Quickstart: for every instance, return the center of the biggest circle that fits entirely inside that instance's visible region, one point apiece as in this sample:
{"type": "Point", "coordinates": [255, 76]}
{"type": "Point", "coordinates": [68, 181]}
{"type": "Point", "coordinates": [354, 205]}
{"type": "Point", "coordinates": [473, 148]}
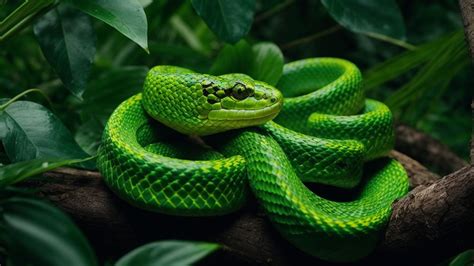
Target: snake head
{"type": "Point", "coordinates": [236, 101]}
{"type": "Point", "coordinates": [199, 104]}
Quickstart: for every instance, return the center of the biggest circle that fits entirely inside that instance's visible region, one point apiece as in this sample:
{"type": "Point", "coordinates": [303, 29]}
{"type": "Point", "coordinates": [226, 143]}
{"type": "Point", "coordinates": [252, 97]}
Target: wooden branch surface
{"type": "Point", "coordinates": [114, 227]}
{"type": "Point", "coordinates": [467, 13]}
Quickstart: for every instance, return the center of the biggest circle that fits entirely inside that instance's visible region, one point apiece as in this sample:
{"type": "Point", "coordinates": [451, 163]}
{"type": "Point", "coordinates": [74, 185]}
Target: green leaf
{"type": "Point", "coordinates": [188, 35]}
{"type": "Point", "coordinates": [37, 233]}
{"type": "Point", "coordinates": [17, 172]}
{"type": "Point", "coordinates": [34, 132]}
{"type": "Point", "coordinates": [229, 20]}
{"type": "Point", "coordinates": [267, 63]}
{"type": "Point", "coordinates": [263, 61]}
{"type": "Point", "coordinates": [3, 127]}
{"type": "Point", "coordinates": [233, 59]}
{"type": "Point", "coordinates": [145, 3]}
{"type": "Point", "coordinates": [463, 259]}
{"type": "Point", "coordinates": [171, 252]}
{"type": "Point", "coordinates": [402, 63]}
{"type": "Point", "coordinates": [435, 75]}
{"type": "Point", "coordinates": [67, 39]}
{"type": "Point", "coordinates": [126, 16]}
{"type": "Point", "coordinates": [372, 17]}
{"type": "Point", "coordinates": [105, 93]}
{"type": "Point", "coordinates": [89, 136]}
{"type": "Point", "coordinates": [21, 16]}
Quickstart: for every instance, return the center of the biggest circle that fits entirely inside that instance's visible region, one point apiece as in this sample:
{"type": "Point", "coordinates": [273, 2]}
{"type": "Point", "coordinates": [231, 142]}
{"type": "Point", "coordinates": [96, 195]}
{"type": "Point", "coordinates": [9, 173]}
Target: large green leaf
{"type": "Point", "coordinates": [17, 172]}
{"type": "Point", "coordinates": [267, 63]}
{"type": "Point", "coordinates": [67, 39]}
{"type": "Point", "coordinates": [126, 16]}
{"type": "Point", "coordinates": [37, 233]}
{"type": "Point", "coordinates": [233, 59]}
{"type": "Point", "coordinates": [109, 90]}
{"type": "Point", "coordinates": [263, 61]}
{"type": "Point", "coordinates": [34, 132]}
{"type": "Point", "coordinates": [372, 17]}
{"type": "Point", "coordinates": [172, 253]}
{"type": "Point", "coordinates": [229, 20]}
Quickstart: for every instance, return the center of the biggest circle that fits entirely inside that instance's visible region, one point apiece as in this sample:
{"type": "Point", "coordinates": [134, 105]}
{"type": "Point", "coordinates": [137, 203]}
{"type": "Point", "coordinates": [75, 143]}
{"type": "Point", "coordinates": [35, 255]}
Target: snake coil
{"type": "Point", "coordinates": [325, 132]}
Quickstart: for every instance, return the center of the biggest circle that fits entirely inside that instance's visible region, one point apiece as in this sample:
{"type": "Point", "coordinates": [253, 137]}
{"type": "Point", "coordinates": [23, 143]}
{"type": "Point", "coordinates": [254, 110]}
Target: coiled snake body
{"type": "Point", "coordinates": [324, 132]}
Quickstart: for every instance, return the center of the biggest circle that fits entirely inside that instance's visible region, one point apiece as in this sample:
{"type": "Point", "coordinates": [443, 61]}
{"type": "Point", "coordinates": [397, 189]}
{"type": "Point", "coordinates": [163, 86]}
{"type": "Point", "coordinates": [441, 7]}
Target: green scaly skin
{"type": "Point", "coordinates": [324, 133]}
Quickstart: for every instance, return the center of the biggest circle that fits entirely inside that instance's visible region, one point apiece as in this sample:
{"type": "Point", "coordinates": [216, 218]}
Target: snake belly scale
{"type": "Point", "coordinates": [316, 127]}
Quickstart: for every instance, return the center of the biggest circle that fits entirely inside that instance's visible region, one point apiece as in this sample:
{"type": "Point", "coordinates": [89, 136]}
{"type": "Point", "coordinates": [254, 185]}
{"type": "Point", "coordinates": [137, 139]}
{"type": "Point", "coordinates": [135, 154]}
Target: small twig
{"type": "Point", "coordinates": [23, 16]}
{"type": "Point", "coordinates": [310, 38]}
{"type": "Point", "coordinates": [390, 40]}
{"type": "Point", "coordinates": [5, 105]}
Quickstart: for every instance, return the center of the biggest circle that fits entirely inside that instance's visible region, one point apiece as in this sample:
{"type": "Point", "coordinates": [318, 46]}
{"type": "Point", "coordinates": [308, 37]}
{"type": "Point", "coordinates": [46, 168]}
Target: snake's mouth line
{"type": "Point", "coordinates": [236, 114]}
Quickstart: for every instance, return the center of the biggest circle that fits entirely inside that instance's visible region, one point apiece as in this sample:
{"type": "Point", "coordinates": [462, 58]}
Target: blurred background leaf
{"type": "Point", "coordinates": [463, 259]}
{"type": "Point", "coordinates": [262, 61]}
{"type": "Point", "coordinates": [233, 59]}
{"type": "Point", "coordinates": [16, 172]}
{"type": "Point", "coordinates": [230, 20]}
{"type": "Point", "coordinates": [106, 92]}
{"type": "Point", "coordinates": [126, 16]}
{"type": "Point", "coordinates": [171, 252]}
{"type": "Point", "coordinates": [67, 40]}
{"type": "Point", "coordinates": [36, 233]}
{"type": "Point", "coordinates": [33, 132]}
{"type": "Point", "coordinates": [21, 16]}
{"type": "Point", "coordinates": [267, 63]}
{"type": "Point", "coordinates": [379, 19]}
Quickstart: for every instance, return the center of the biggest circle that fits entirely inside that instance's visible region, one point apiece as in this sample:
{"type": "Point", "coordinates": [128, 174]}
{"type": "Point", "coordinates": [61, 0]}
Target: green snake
{"type": "Point", "coordinates": [195, 145]}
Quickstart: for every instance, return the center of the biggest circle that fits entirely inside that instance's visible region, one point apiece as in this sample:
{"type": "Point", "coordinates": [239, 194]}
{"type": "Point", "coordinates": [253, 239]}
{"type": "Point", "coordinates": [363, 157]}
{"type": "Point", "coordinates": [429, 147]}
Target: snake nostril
{"type": "Point", "coordinates": [273, 100]}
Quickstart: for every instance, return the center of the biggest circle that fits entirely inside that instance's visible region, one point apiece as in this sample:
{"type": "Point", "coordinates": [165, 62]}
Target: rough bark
{"type": "Point", "coordinates": [247, 236]}
{"type": "Point", "coordinates": [441, 212]}
{"type": "Point", "coordinates": [467, 13]}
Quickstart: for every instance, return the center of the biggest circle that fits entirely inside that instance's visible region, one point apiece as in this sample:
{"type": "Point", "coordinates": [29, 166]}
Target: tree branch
{"type": "Point", "coordinates": [114, 227]}
{"type": "Point", "coordinates": [467, 13]}
{"type": "Point", "coordinates": [442, 212]}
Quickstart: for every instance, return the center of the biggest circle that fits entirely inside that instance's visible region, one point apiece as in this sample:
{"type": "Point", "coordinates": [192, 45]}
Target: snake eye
{"type": "Point", "coordinates": [240, 95]}
{"type": "Point", "coordinates": [240, 92]}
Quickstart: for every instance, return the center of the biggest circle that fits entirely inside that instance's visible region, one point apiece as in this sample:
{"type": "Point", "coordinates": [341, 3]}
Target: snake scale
{"type": "Point", "coordinates": [317, 127]}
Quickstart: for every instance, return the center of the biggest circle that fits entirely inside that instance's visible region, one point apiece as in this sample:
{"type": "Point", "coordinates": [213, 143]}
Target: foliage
{"type": "Point", "coordinates": [367, 17]}
{"type": "Point", "coordinates": [462, 259]}
{"type": "Point", "coordinates": [32, 228]}
{"type": "Point", "coordinates": [85, 57]}
{"type": "Point", "coordinates": [230, 20]}
{"type": "Point", "coordinates": [171, 252]}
